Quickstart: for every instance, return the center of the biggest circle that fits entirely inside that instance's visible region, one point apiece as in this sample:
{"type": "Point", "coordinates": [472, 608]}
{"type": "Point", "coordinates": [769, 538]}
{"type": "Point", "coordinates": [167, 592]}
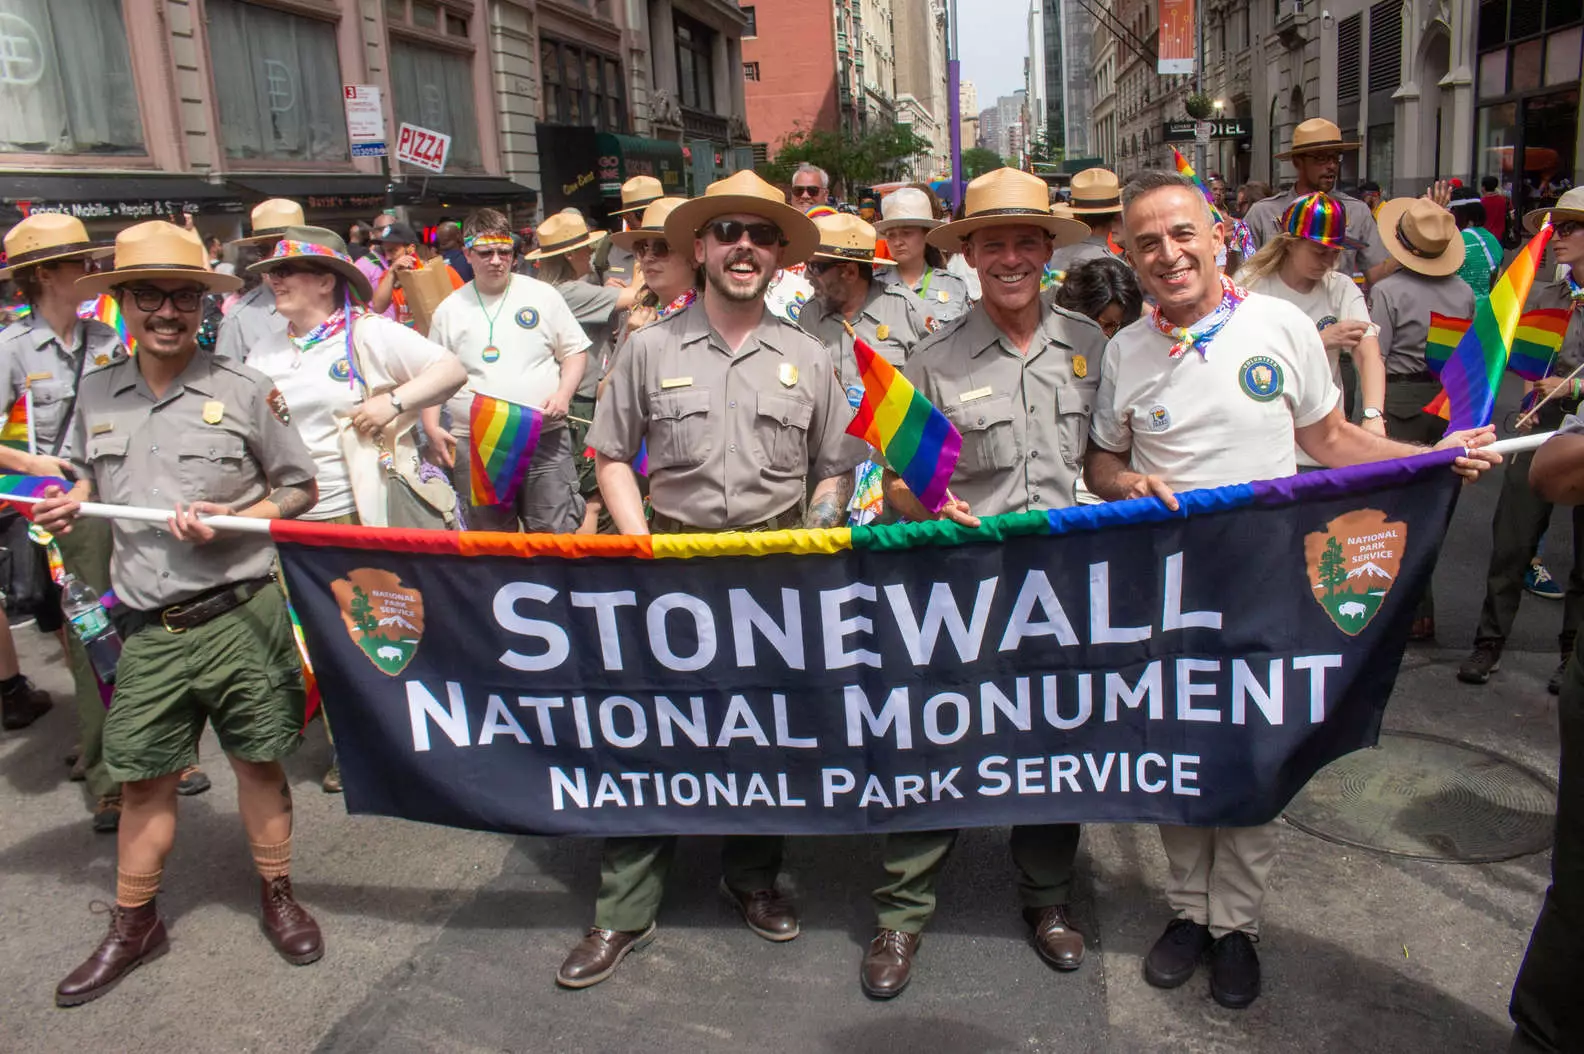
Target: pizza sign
{"type": "Point", "coordinates": [422, 147]}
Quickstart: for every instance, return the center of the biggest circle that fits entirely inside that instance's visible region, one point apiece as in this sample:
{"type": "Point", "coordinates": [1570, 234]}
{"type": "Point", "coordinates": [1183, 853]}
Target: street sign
{"type": "Point", "coordinates": [422, 147]}
{"type": "Point", "coordinates": [365, 119]}
{"type": "Point", "coordinates": [1202, 132]}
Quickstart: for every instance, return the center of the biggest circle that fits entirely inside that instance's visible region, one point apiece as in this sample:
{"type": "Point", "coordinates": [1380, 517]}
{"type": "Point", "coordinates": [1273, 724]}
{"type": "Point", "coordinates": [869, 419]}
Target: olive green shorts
{"type": "Point", "coordinates": [582, 406]}
{"type": "Point", "coordinates": [240, 672]}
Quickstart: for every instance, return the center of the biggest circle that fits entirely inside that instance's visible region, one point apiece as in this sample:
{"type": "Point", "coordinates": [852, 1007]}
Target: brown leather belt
{"type": "Point", "coordinates": [792, 518]}
{"type": "Point", "coordinates": [190, 614]}
{"type": "Point", "coordinates": [1421, 377]}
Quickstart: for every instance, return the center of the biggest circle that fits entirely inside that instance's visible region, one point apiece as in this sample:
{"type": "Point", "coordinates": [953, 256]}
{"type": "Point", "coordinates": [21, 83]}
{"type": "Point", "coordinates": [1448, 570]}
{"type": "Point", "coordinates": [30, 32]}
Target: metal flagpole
{"type": "Point", "coordinates": [1200, 146]}
{"type": "Point", "coordinates": [954, 102]}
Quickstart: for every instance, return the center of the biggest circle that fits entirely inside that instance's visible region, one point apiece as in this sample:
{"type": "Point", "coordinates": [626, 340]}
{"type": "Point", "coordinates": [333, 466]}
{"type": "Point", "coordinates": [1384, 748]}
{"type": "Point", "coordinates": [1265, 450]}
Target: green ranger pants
{"type": "Point", "coordinates": [1407, 421]}
{"type": "Point", "coordinates": [1043, 853]}
{"type": "Point", "coordinates": [633, 874]}
{"type": "Point", "coordinates": [85, 551]}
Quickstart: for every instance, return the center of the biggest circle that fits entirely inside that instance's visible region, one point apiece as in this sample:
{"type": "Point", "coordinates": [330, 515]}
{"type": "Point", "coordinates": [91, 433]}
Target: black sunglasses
{"type": "Point", "coordinates": [286, 270]}
{"type": "Point", "coordinates": [149, 300]}
{"type": "Point", "coordinates": [819, 267]}
{"type": "Point", "coordinates": [660, 248]}
{"type": "Point", "coordinates": [1567, 228]}
{"type": "Point", "coordinates": [806, 192]}
{"type": "Point", "coordinates": [730, 232]}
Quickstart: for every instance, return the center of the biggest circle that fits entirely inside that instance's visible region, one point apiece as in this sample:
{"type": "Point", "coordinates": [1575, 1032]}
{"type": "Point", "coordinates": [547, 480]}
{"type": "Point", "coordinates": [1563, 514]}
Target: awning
{"type": "Point", "coordinates": [470, 190]}
{"type": "Point", "coordinates": [625, 156]}
{"type": "Point", "coordinates": [317, 191]}
{"type": "Point", "coordinates": [115, 197]}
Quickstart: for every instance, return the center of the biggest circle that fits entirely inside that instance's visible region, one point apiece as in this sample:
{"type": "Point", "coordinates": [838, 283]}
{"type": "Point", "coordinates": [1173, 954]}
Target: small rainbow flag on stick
{"type": "Point", "coordinates": [17, 432]}
{"type": "Point", "coordinates": [103, 308]}
{"type": "Point", "coordinates": [501, 439]}
{"type": "Point", "coordinates": [1185, 170]}
{"type": "Point", "coordinates": [1537, 341]}
{"type": "Point", "coordinates": [918, 442]}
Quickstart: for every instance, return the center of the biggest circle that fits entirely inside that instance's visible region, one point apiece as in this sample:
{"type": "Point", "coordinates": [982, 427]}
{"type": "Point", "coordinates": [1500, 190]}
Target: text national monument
{"type": "Point", "coordinates": [1119, 663]}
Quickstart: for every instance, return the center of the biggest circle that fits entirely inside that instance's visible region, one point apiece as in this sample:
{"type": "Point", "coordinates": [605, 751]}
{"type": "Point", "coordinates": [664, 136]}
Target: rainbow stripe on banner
{"type": "Point", "coordinates": [502, 437]}
{"type": "Point", "coordinates": [918, 442]}
{"type": "Point", "coordinates": [17, 432]}
{"type": "Point", "coordinates": [1536, 341]}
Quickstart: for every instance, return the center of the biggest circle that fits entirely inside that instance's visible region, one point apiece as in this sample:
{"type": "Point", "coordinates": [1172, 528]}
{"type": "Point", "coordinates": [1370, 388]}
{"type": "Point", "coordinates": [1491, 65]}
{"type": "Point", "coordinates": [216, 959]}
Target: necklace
{"type": "Point", "coordinates": [1201, 333]}
{"type": "Point", "coordinates": [491, 352]}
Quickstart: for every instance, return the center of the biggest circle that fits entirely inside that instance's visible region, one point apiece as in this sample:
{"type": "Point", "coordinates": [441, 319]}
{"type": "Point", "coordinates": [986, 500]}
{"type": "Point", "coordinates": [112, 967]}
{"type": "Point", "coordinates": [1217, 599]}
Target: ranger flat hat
{"type": "Point", "coordinates": [906, 207]}
{"type": "Point", "coordinates": [46, 236]}
{"type": "Point", "coordinates": [1569, 206]}
{"type": "Point", "coordinates": [321, 247]}
{"type": "Point", "coordinates": [637, 193]}
{"type": "Point", "coordinates": [563, 233]}
{"type": "Point", "coordinates": [848, 238]}
{"type": "Point", "coordinates": [1095, 192]}
{"type": "Point", "coordinates": [1422, 236]}
{"type": "Point", "coordinates": [1316, 136]}
{"type": "Point", "coordinates": [745, 192]}
{"type": "Point", "coordinates": [271, 218]}
{"type": "Point", "coordinates": [1007, 197]}
{"type": "Point", "coordinates": [155, 250]}
{"type": "Point", "coordinates": [651, 226]}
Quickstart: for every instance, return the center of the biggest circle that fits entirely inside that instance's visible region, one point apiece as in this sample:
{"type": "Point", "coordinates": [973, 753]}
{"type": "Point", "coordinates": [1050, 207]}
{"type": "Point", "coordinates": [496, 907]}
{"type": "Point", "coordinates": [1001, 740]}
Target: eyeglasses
{"type": "Point", "coordinates": [819, 267]}
{"type": "Point", "coordinates": [730, 232]}
{"type": "Point", "coordinates": [286, 270]}
{"type": "Point", "coordinates": [807, 192]}
{"type": "Point", "coordinates": [149, 299]}
{"type": "Point", "coordinates": [1567, 228]}
{"type": "Point", "coordinates": [658, 247]}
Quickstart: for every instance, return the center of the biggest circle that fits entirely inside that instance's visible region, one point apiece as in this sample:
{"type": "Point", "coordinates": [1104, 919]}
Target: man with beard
{"type": "Point", "coordinates": [1017, 379]}
{"type": "Point", "coordinates": [1216, 386]}
{"type": "Point", "coordinates": [253, 320]}
{"type": "Point", "coordinates": [741, 413]}
{"type": "Point", "coordinates": [1316, 154]}
{"type": "Point", "coordinates": [851, 302]}
{"type": "Point", "coordinates": [207, 636]}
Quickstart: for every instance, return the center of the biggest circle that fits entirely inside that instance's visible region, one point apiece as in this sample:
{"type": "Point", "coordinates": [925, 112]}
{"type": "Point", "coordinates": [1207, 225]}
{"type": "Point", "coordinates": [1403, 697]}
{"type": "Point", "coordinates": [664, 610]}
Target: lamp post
{"type": "Point", "coordinates": [1200, 146]}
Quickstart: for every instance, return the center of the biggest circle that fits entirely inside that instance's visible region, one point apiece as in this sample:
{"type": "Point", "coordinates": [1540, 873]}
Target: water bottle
{"type": "Point", "coordinates": [91, 622]}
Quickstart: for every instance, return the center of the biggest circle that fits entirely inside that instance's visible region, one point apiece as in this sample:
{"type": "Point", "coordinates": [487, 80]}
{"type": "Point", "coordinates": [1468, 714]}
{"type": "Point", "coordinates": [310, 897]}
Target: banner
{"type": "Point", "coordinates": [1175, 48]}
{"type": "Point", "coordinates": [1116, 663]}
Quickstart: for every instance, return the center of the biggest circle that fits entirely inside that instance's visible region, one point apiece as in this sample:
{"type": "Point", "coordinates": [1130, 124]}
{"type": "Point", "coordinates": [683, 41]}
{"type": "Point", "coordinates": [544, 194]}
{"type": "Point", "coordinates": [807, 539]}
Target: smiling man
{"type": "Point", "coordinates": [1216, 386]}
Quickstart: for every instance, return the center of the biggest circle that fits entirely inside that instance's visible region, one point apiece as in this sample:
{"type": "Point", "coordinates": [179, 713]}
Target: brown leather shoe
{"type": "Point", "coordinates": [888, 964]}
{"type": "Point", "coordinates": [287, 923]}
{"type": "Point", "coordinates": [136, 936]}
{"type": "Point", "coordinates": [1057, 942]}
{"type": "Point", "coordinates": [597, 955]}
{"type": "Point", "coordinates": [766, 911]}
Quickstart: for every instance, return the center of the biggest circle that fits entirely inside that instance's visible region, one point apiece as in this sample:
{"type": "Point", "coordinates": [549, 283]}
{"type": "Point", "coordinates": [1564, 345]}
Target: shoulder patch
{"type": "Point", "coordinates": [278, 407]}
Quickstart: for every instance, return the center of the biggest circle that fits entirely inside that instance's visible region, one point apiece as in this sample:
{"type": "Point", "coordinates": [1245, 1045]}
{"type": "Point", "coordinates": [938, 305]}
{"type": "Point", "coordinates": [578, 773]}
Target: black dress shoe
{"type": "Point", "coordinates": [1234, 971]}
{"type": "Point", "coordinates": [888, 964]}
{"type": "Point", "coordinates": [597, 955]}
{"type": "Point", "coordinates": [1055, 938]}
{"type": "Point", "coordinates": [23, 705]}
{"type": "Point", "coordinates": [1176, 954]}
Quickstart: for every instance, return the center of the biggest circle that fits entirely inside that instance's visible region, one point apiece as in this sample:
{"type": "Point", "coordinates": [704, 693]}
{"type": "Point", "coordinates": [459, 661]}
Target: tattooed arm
{"type": "Point", "coordinates": [828, 506]}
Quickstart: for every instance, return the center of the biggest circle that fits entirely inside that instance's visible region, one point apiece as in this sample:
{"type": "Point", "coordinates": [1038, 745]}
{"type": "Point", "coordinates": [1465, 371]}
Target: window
{"type": "Point", "coordinates": [750, 71]}
{"type": "Point", "coordinates": [66, 79]}
{"type": "Point", "coordinates": [431, 17]}
{"type": "Point", "coordinates": [752, 28]}
{"type": "Point", "coordinates": [1385, 46]}
{"type": "Point", "coordinates": [1349, 39]}
{"type": "Point", "coordinates": [582, 87]}
{"type": "Point", "coordinates": [434, 89]}
{"type": "Point", "coordinates": [695, 74]}
{"type": "Point", "coordinates": [278, 84]}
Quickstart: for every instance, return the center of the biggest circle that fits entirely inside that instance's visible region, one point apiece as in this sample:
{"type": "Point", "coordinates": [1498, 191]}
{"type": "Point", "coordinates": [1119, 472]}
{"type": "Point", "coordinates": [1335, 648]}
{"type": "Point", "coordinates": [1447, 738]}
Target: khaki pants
{"type": "Point", "coordinates": [1219, 874]}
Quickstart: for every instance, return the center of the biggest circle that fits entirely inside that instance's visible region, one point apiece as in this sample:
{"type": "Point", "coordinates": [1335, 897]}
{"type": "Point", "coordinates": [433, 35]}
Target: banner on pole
{"type": "Point", "coordinates": [1175, 49]}
{"type": "Point", "coordinates": [1117, 663]}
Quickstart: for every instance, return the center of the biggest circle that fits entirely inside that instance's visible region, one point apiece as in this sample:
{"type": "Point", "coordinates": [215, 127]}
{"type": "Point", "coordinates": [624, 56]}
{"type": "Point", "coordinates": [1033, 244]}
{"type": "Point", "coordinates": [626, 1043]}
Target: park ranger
{"type": "Point", "coordinates": [742, 416]}
{"type": "Point", "coordinates": [206, 632]}
{"type": "Point", "coordinates": [615, 262]}
{"type": "Point", "coordinates": [1018, 380]}
{"type": "Point", "coordinates": [1096, 200]}
{"type": "Point", "coordinates": [906, 218]}
{"type": "Point", "coordinates": [253, 320]}
{"type": "Point", "coordinates": [849, 299]}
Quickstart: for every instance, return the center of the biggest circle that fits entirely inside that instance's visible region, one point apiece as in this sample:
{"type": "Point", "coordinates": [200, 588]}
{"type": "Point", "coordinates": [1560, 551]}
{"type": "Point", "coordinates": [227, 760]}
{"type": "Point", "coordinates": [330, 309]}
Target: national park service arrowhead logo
{"type": "Point", "coordinates": [1353, 561]}
{"type": "Point", "coordinates": [382, 616]}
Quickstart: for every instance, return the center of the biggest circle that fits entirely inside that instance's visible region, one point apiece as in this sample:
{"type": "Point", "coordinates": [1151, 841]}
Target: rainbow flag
{"type": "Point", "coordinates": [1473, 370]}
{"type": "Point", "coordinates": [640, 463]}
{"type": "Point", "coordinates": [1536, 342]}
{"type": "Point", "coordinates": [103, 308]}
{"type": "Point", "coordinates": [501, 440]}
{"type": "Point", "coordinates": [1185, 170]}
{"type": "Point", "coordinates": [1442, 341]}
{"type": "Point", "coordinates": [26, 490]}
{"type": "Point", "coordinates": [918, 442]}
{"type": "Point", "coordinates": [17, 432]}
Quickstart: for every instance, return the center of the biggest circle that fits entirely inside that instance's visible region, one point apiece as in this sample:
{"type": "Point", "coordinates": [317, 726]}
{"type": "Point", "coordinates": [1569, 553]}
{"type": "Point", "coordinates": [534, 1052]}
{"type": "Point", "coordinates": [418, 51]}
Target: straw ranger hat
{"type": "Point", "coordinates": [637, 193]}
{"type": "Point", "coordinates": [906, 207]}
{"type": "Point", "coordinates": [651, 226]}
{"type": "Point", "coordinates": [46, 236]}
{"type": "Point", "coordinates": [850, 239]}
{"type": "Point", "coordinates": [1569, 206]}
{"type": "Point", "coordinates": [157, 250]}
{"type": "Point", "coordinates": [1316, 136]}
{"type": "Point", "coordinates": [1422, 236]}
{"type": "Point", "coordinates": [563, 233]}
{"type": "Point", "coordinates": [316, 245]}
{"type": "Point", "coordinates": [271, 218]}
{"type": "Point", "coordinates": [745, 192]}
{"type": "Point", "coordinates": [1005, 198]}
{"type": "Point", "coordinates": [1095, 192]}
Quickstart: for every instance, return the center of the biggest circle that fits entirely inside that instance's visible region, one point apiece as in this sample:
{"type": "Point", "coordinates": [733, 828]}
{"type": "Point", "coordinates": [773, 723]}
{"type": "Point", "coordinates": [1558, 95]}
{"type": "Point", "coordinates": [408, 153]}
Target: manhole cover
{"type": "Point", "coordinates": [1426, 797]}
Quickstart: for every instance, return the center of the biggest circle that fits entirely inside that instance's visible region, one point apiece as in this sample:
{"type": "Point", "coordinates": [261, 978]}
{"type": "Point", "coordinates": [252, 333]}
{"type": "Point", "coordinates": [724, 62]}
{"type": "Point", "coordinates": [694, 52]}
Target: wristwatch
{"type": "Point", "coordinates": [1370, 413]}
{"type": "Point", "coordinates": [395, 400]}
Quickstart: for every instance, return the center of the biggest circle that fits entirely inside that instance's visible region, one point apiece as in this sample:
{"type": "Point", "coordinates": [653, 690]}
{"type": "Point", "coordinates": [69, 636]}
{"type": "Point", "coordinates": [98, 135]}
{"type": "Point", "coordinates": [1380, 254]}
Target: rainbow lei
{"type": "Point", "coordinates": [1199, 335]}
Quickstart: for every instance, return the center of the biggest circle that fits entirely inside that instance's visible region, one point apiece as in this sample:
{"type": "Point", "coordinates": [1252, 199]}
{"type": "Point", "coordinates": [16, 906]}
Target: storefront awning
{"type": "Point", "coordinates": [471, 190]}
{"type": "Point", "coordinates": [317, 191]}
{"type": "Point", "coordinates": [115, 197]}
{"type": "Point", "coordinates": [622, 157]}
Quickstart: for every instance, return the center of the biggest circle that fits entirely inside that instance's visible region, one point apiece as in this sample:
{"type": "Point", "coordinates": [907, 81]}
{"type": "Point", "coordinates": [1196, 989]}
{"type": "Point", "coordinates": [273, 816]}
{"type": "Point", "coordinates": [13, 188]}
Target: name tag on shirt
{"type": "Point", "coordinates": [40, 377]}
{"type": "Point", "coordinates": [101, 428]}
{"type": "Point", "coordinates": [977, 393]}
{"type": "Point", "coordinates": [676, 382]}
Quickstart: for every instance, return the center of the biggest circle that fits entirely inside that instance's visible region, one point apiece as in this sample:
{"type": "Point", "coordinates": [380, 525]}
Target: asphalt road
{"type": "Point", "coordinates": [442, 940]}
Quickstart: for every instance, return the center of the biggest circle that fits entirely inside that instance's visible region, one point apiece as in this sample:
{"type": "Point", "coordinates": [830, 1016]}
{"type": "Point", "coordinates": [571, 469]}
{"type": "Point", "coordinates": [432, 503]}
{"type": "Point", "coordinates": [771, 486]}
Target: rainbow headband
{"type": "Point", "coordinates": [489, 241]}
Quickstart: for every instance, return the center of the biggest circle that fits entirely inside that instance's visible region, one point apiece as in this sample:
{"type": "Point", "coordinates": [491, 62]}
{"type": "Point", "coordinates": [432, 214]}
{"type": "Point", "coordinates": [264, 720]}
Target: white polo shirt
{"type": "Point", "coordinates": [533, 332]}
{"type": "Point", "coordinates": [1226, 417]}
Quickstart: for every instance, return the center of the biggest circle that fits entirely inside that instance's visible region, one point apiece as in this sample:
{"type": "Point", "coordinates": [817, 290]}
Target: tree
{"type": "Point", "coordinates": [363, 612]}
{"type": "Point", "coordinates": [878, 156]}
{"type": "Point", "coordinates": [1333, 568]}
{"type": "Point", "coordinates": [976, 161]}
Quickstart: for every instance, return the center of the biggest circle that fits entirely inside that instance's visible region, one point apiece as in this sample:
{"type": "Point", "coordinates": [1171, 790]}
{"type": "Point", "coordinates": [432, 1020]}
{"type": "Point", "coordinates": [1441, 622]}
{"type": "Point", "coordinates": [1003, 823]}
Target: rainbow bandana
{"type": "Point", "coordinates": [1318, 218]}
{"type": "Point", "coordinates": [287, 248]}
{"type": "Point", "coordinates": [482, 242]}
{"type": "Point", "coordinates": [1199, 335]}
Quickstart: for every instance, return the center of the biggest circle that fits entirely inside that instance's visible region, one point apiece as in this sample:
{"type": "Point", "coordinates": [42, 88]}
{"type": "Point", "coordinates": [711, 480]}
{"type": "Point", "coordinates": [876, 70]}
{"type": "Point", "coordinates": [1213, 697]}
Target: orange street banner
{"type": "Point", "coordinates": [1176, 50]}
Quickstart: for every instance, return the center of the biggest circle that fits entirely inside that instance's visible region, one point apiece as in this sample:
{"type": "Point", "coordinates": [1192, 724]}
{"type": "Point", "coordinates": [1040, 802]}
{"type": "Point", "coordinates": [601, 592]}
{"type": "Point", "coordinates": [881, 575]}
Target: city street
{"type": "Point", "coordinates": [442, 940]}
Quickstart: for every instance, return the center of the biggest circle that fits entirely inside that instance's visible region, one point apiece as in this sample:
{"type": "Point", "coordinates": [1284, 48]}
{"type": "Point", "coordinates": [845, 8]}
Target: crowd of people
{"type": "Point", "coordinates": [1132, 340]}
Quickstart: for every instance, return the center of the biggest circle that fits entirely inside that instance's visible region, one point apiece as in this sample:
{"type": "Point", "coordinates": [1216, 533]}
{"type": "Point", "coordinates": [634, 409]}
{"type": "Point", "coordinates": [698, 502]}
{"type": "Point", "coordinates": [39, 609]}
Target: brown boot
{"type": "Point", "coordinates": [287, 923]}
{"type": "Point", "coordinates": [597, 955]}
{"type": "Point", "coordinates": [136, 936]}
{"type": "Point", "coordinates": [22, 704]}
{"type": "Point", "coordinates": [1057, 942]}
{"type": "Point", "coordinates": [888, 964]}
